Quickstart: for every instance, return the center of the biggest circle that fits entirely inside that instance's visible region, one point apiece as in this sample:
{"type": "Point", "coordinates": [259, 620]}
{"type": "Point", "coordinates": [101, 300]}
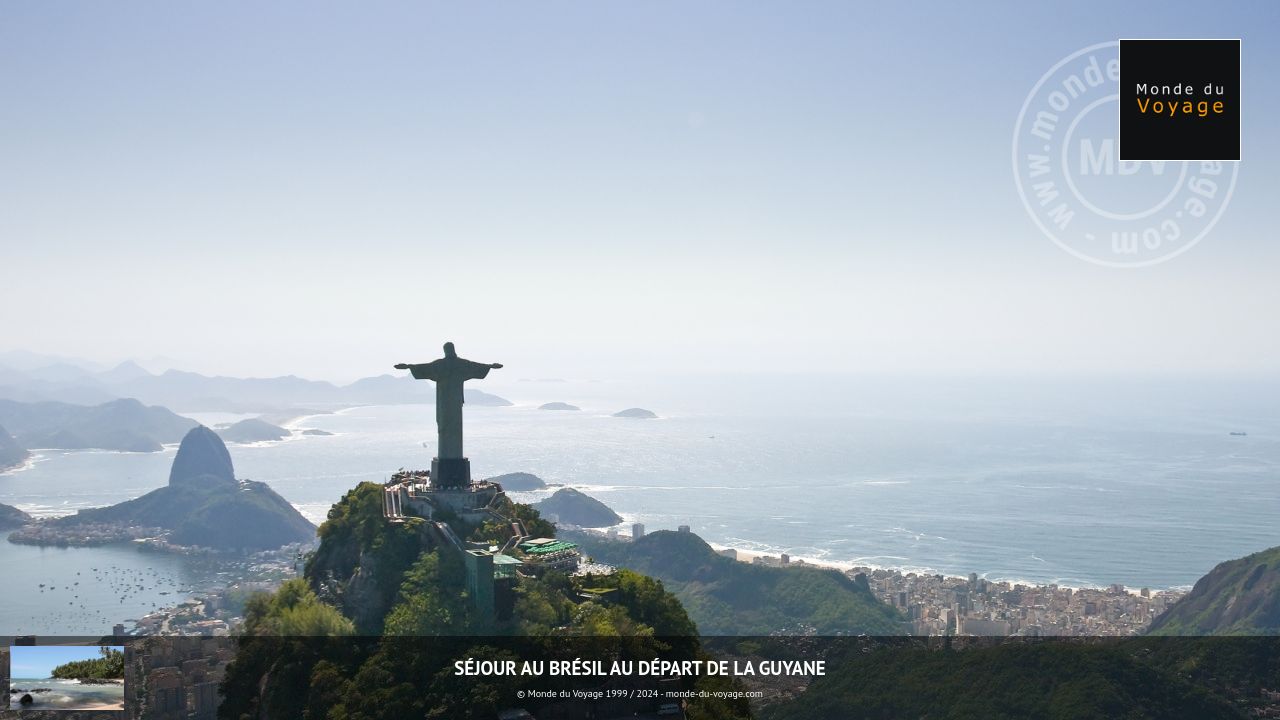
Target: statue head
{"type": "Point", "coordinates": [449, 351]}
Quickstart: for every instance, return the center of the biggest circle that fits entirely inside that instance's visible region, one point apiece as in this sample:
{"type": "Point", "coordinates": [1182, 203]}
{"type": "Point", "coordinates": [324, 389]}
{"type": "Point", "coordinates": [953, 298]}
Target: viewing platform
{"type": "Point", "coordinates": [410, 493]}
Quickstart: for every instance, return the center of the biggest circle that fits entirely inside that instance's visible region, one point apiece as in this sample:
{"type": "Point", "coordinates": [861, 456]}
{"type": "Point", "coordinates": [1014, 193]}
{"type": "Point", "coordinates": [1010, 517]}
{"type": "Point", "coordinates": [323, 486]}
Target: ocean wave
{"type": "Point", "coordinates": [589, 488]}
{"type": "Point", "coordinates": [99, 451]}
{"type": "Point", "coordinates": [913, 533]}
{"type": "Point", "coordinates": [818, 557]}
{"type": "Point", "coordinates": [40, 510]}
{"type": "Point", "coordinates": [30, 462]}
{"type": "Point", "coordinates": [315, 512]}
{"type": "Point", "coordinates": [266, 443]}
{"type": "Point", "coordinates": [1081, 488]}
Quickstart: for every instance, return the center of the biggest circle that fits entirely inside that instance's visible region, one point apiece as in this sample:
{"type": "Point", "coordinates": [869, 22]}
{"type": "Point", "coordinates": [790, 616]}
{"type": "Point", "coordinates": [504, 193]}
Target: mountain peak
{"type": "Point", "coordinates": [124, 372]}
{"type": "Point", "coordinates": [202, 459]}
{"type": "Point", "coordinates": [127, 403]}
{"type": "Point", "coordinates": [578, 508]}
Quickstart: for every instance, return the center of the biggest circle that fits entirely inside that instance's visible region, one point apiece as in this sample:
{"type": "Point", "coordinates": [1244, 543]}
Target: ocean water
{"type": "Point", "coordinates": [1084, 482]}
{"type": "Point", "coordinates": [66, 695]}
{"type": "Point", "coordinates": [85, 591]}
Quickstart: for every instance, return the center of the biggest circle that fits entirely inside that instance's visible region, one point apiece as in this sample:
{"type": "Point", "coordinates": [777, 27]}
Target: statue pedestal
{"type": "Point", "coordinates": [450, 472]}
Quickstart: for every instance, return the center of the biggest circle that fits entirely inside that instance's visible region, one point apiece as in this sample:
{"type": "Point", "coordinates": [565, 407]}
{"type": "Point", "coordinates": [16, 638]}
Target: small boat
{"type": "Point", "coordinates": [1239, 434]}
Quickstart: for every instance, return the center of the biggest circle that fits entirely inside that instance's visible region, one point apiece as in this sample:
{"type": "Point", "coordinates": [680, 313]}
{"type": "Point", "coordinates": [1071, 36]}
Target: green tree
{"type": "Point", "coordinates": [109, 665]}
{"type": "Point", "coordinates": [432, 599]}
{"type": "Point", "coordinates": [294, 611]}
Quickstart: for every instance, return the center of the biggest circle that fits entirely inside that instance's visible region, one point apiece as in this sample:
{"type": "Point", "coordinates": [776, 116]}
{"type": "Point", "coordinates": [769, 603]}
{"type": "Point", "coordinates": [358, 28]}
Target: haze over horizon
{"type": "Point", "coordinates": [270, 190]}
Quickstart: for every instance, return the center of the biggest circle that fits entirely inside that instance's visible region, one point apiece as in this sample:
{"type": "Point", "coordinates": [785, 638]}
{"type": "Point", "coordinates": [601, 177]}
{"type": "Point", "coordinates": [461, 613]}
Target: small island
{"type": "Point", "coordinates": [638, 413]}
{"type": "Point", "coordinates": [577, 508]}
{"type": "Point", "coordinates": [558, 406]}
{"type": "Point", "coordinates": [315, 432]}
{"type": "Point", "coordinates": [253, 430]}
{"type": "Point", "coordinates": [519, 481]}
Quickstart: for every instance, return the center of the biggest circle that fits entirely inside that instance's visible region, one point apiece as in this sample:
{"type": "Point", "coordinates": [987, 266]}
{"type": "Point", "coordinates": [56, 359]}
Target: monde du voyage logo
{"type": "Point", "coordinates": [1124, 152]}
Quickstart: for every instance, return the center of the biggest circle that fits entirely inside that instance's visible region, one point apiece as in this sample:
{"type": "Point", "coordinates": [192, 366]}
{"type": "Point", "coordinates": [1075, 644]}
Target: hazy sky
{"type": "Point", "coordinates": [326, 189]}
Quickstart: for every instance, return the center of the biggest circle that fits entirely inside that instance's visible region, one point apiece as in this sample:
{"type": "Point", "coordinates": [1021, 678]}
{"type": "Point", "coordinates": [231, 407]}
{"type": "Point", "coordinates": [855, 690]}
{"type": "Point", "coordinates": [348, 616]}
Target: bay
{"type": "Point", "coordinates": [1084, 483]}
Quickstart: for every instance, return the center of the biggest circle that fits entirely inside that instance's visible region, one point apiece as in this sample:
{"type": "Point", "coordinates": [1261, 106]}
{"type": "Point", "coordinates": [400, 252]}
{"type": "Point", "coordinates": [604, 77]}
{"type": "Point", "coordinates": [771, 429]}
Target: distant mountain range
{"type": "Point", "coordinates": [203, 505]}
{"type": "Point", "coordinates": [64, 382]}
{"type": "Point", "coordinates": [48, 402]}
{"type": "Point", "coordinates": [126, 425]}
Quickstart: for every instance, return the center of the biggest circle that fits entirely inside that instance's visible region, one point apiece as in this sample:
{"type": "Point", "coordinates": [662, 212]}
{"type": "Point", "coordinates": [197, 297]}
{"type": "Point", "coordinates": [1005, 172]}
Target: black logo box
{"type": "Point", "coordinates": [1210, 132]}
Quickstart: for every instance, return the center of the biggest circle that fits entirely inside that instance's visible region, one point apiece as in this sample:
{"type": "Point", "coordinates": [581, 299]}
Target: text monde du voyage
{"type": "Point", "coordinates": [651, 668]}
{"type": "Point", "coordinates": [1179, 100]}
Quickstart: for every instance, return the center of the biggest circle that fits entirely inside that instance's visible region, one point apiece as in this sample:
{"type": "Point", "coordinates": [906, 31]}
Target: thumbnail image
{"type": "Point", "coordinates": [66, 678]}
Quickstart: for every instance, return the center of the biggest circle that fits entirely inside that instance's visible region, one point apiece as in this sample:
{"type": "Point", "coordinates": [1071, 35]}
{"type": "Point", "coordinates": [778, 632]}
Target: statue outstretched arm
{"type": "Point", "coordinates": [425, 371]}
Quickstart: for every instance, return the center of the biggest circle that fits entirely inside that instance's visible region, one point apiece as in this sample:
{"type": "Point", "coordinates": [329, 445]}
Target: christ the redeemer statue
{"type": "Point", "coordinates": [450, 468]}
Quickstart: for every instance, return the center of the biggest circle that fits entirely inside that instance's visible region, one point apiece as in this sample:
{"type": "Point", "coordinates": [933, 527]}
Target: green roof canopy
{"type": "Point", "coordinates": [548, 548]}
